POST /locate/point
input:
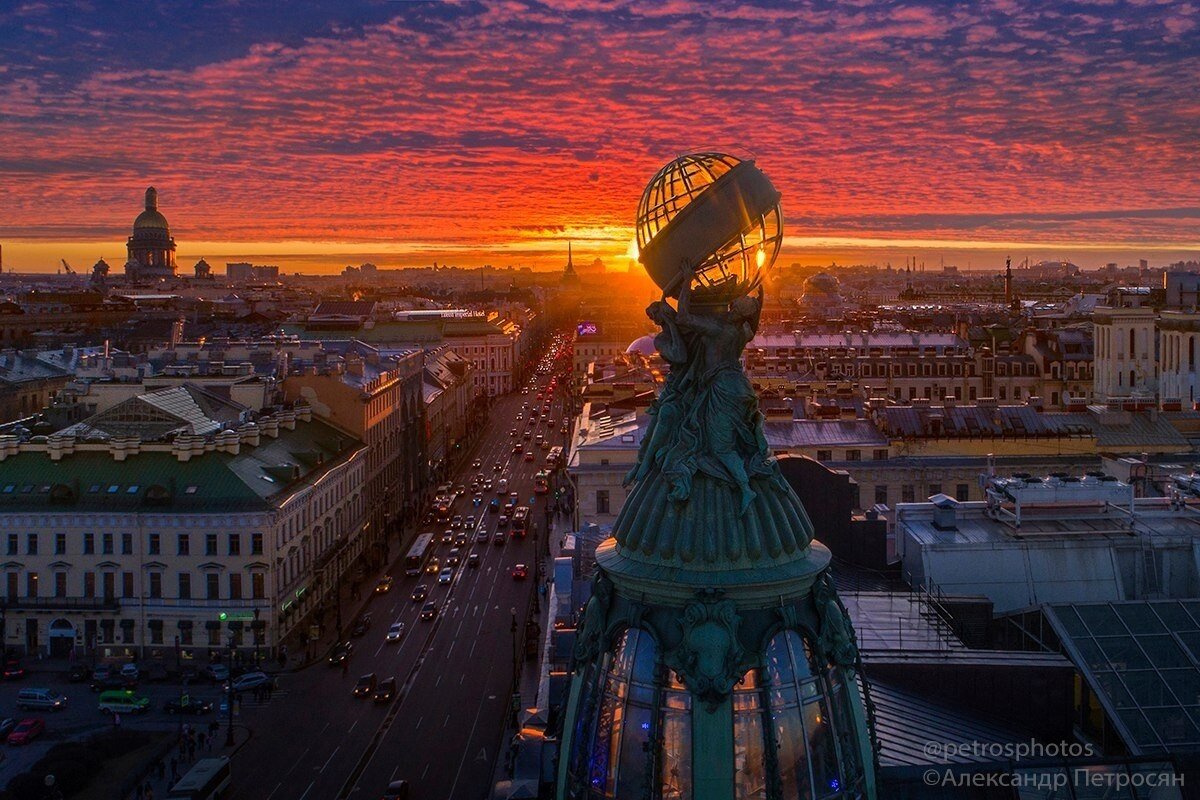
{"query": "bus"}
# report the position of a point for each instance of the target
(541, 482)
(208, 779)
(416, 556)
(520, 521)
(554, 456)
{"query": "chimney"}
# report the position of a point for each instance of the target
(945, 512)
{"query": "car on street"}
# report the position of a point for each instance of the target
(26, 731)
(112, 680)
(520, 572)
(6, 727)
(395, 632)
(448, 536)
(502, 521)
(477, 500)
(361, 626)
(365, 686)
(429, 611)
(502, 486)
(457, 522)
(192, 707)
(473, 559)
(470, 523)
(454, 558)
(13, 670)
(476, 464)
(420, 593)
(385, 584)
(78, 674)
(445, 576)
(487, 485)
(433, 566)
(529, 455)
(528, 434)
(251, 680)
(340, 653)
(498, 538)
(396, 790)
(461, 539)
(497, 467)
(518, 448)
(385, 691)
(494, 506)
(217, 673)
(130, 671)
(512, 431)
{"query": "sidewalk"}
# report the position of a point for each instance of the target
(530, 683)
(184, 757)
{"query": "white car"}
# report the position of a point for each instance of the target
(395, 632)
(445, 576)
(251, 680)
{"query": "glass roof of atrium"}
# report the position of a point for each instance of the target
(1142, 660)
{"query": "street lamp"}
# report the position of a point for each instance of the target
(257, 611)
(229, 699)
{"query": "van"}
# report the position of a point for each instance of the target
(123, 702)
(41, 698)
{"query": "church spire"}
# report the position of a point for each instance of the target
(570, 270)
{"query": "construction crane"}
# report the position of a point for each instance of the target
(67, 266)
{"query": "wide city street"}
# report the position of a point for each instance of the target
(443, 729)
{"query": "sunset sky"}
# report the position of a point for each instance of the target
(492, 132)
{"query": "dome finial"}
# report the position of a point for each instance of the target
(151, 199)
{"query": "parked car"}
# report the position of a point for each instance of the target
(26, 731)
(385, 691)
(385, 584)
(361, 626)
(217, 673)
(249, 681)
(395, 632)
(340, 653)
(13, 670)
(192, 707)
(78, 673)
(6, 727)
(365, 686)
(130, 671)
(420, 593)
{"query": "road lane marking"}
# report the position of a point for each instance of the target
(273, 791)
(331, 755)
(306, 791)
(352, 727)
(447, 722)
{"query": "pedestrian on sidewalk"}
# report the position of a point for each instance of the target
(116, 720)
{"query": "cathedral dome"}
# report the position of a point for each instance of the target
(151, 218)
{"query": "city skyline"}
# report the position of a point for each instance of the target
(387, 132)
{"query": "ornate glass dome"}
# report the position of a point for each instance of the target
(716, 213)
(792, 726)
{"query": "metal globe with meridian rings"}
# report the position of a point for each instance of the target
(713, 217)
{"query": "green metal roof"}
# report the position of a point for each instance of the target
(213, 482)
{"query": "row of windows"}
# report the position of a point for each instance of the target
(106, 634)
(107, 587)
(108, 541)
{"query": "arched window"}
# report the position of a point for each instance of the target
(622, 711)
(802, 728)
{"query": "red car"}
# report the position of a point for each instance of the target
(26, 731)
(520, 572)
(13, 670)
